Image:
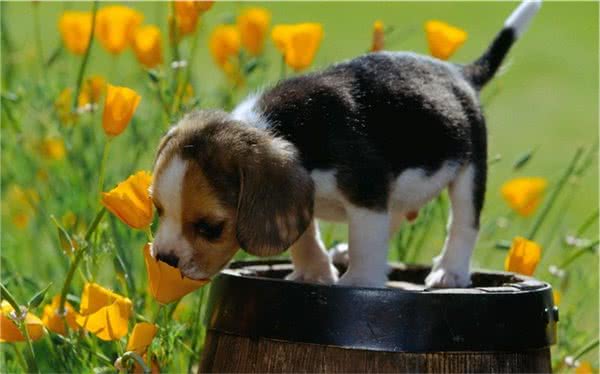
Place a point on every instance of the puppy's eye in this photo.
(210, 231)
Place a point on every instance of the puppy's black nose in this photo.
(169, 258)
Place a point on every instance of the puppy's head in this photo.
(220, 185)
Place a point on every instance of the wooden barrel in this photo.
(258, 322)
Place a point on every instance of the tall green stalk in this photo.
(553, 197)
(86, 56)
(77, 260)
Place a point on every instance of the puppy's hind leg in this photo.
(451, 268)
(310, 259)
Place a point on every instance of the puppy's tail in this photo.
(483, 69)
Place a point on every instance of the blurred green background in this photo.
(546, 98)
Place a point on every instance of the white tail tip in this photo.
(521, 17)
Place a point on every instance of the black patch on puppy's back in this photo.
(373, 117)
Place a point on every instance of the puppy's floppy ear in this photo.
(275, 202)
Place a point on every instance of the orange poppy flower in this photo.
(166, 282)
(147, 46)
(56, 323)
(378, 36)
(75, 28)
(9, 331)
(523, 256)
(115, 26)
(298, 43)
(443, 39)
(253, 25)
(524, 195)
(141, 337)
(119, 106)
(103, 312)
(187, 13)
(130, 201)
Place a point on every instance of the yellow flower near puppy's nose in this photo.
(54, 321)
(166, 283)
(524, 195)
(75, 28)
(187, 13)
(9, 332)
(130, 200)
(253, 24)
(523, 256)
(115, 26)
(141, 337)
(443, 39)
(147, 46)
(298, 43)
(103, 312)
(119, 106)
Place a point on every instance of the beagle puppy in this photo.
(367, 141)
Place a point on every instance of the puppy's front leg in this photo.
(368, 247)
(310, 259)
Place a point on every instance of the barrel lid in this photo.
(501, 312)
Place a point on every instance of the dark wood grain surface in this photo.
(225, 353)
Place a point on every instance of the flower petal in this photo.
(141, 337)
(166, 282)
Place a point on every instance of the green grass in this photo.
(547, 100)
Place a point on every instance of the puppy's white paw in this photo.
(322, 274)
(359, 280)
(441, 277)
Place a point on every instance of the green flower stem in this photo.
(587, 223)
(77, 260)
(134, 356)
(180, 92)
(20, 357)
(103, 165)
(586, 348)
(148, 232)
(555, 193)
(86, 56)
(577, 254)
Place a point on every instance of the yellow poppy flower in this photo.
(186, 15)
(141, 337)
(523, 256)
(524, 195)
(584, 368)
(115, 26)
(443, 39)
(147, 46)
(54, 322)
(378, 36)
(91, 91)
(103, 312)
(9, 331)
(119, 106)
(166, 282)
(298, 43)
(62, 105)
(75, 28)
(225, 44)
(253, 24)
(53, 149)
(130, 201)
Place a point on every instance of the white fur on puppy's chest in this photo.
(412, 189)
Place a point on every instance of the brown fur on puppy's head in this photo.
(220, 185)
